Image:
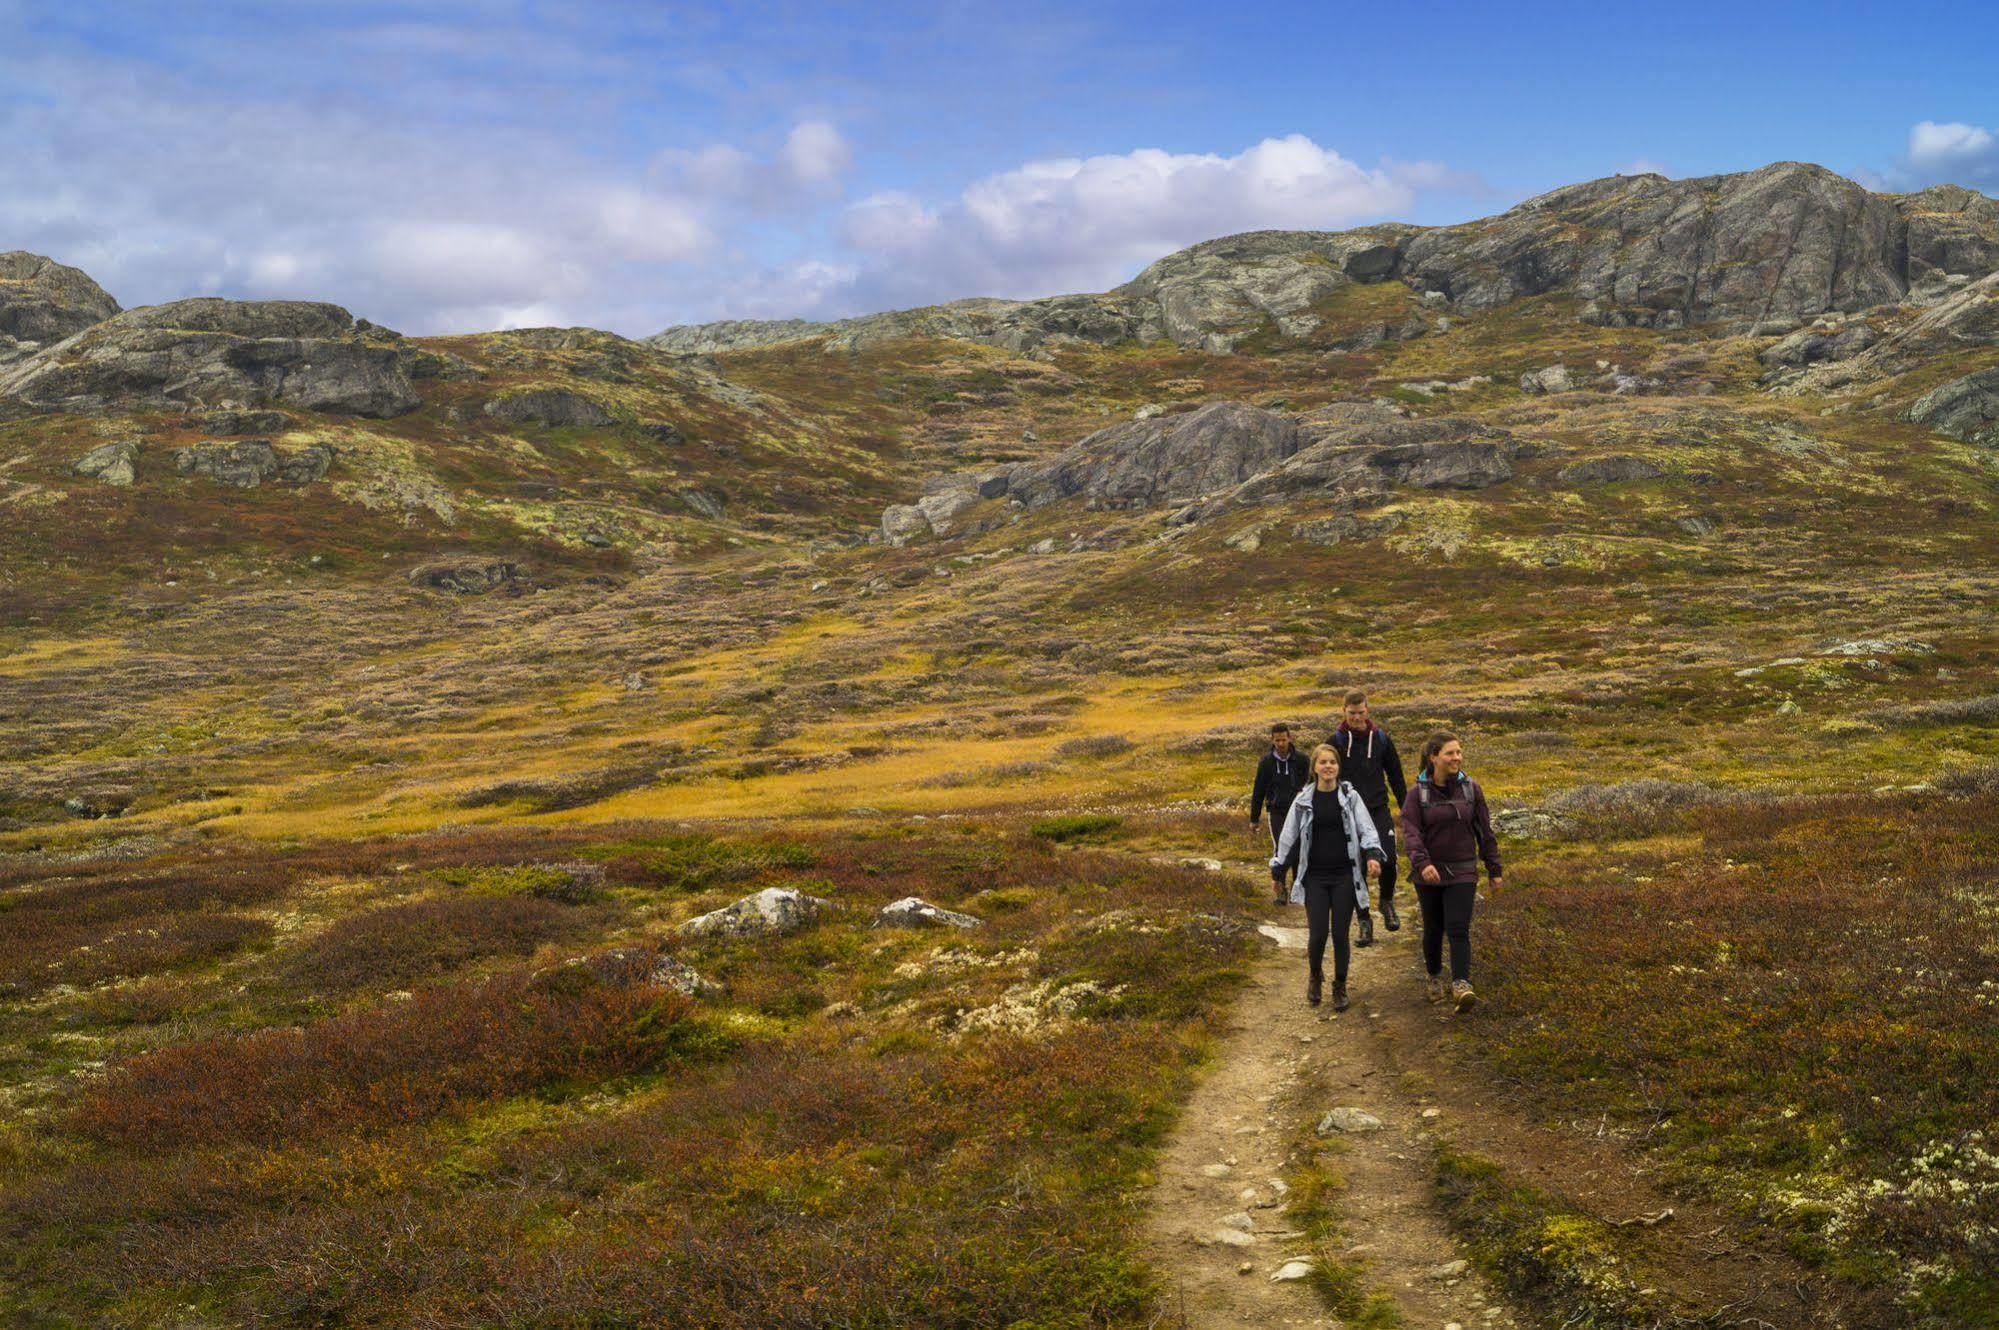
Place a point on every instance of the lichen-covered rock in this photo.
(1553, 379)
(208, 352)
(251, 462)
(1349, 1120)
(914, 912)
(1168, 460)
(772, 910)
(42, 302)
(547, 406)
(1966, 408)
(636, 965)
(112, 463)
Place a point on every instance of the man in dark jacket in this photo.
(1369, 762)
(1279, 777)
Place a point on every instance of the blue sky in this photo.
(452, 165)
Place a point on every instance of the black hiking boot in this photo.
(1339, 996)
(1312, 988)
(1389, 919)
(1366, 938)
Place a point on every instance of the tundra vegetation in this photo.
(352, 800)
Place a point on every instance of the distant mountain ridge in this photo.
(1773, 246)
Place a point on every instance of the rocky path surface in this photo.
(1217, 1220)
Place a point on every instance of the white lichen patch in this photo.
(1032, 1011)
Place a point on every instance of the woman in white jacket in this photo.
(1330, 844)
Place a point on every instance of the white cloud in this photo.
(809, 164)
(1089, 223)
(1950, 152)
(814, 153)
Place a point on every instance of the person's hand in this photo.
(1430, 874)
(1496, 883)
(1373, 870)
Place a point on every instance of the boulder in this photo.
(1809, 346)
(903, 522)
(112, 463)
(914, 912)
(1553, 379)
(469, 575)
(208, 352)
(547, 406)
(772, 910)
(1168, 460)
(1966, 408)
(250, 462)
(1609, 470)
(1349, 1120)
(705, 502)
(42, 302)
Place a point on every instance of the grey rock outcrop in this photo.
(207, 352)
(547, 406)
(1791, 240)
(1966, 408)
(1170, 459)
(772, 910)
(915, 912)
(1358, 451)
(112, 463)
(250, 462)
(1609, 470)
(42, 302)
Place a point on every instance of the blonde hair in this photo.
(1325, 748)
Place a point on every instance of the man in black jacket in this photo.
(1369, 762)
(1279, 777)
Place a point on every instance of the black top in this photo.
(1329, 835)
(1369, 763)
(1278, 780)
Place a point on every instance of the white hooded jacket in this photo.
(1363, 842)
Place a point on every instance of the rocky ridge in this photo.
(1759, 249)
(208, 352)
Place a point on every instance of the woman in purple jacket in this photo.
(1449, 831)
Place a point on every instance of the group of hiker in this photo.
(1333, 832)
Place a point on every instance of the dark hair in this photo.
(1435, 745)
(1355, 696)
(1280, 728)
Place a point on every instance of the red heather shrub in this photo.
(401, 1061)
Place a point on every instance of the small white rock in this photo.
(1233, 1237)
(1349, 1119)
(1292, 1270)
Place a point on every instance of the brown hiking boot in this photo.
(1462, 996)
(1312, 987)
(1438, 989)
(1366, 938)
(1339, 996)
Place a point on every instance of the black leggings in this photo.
(1329, 906)
(1447, 908)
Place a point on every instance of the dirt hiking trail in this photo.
(1216, 1216)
